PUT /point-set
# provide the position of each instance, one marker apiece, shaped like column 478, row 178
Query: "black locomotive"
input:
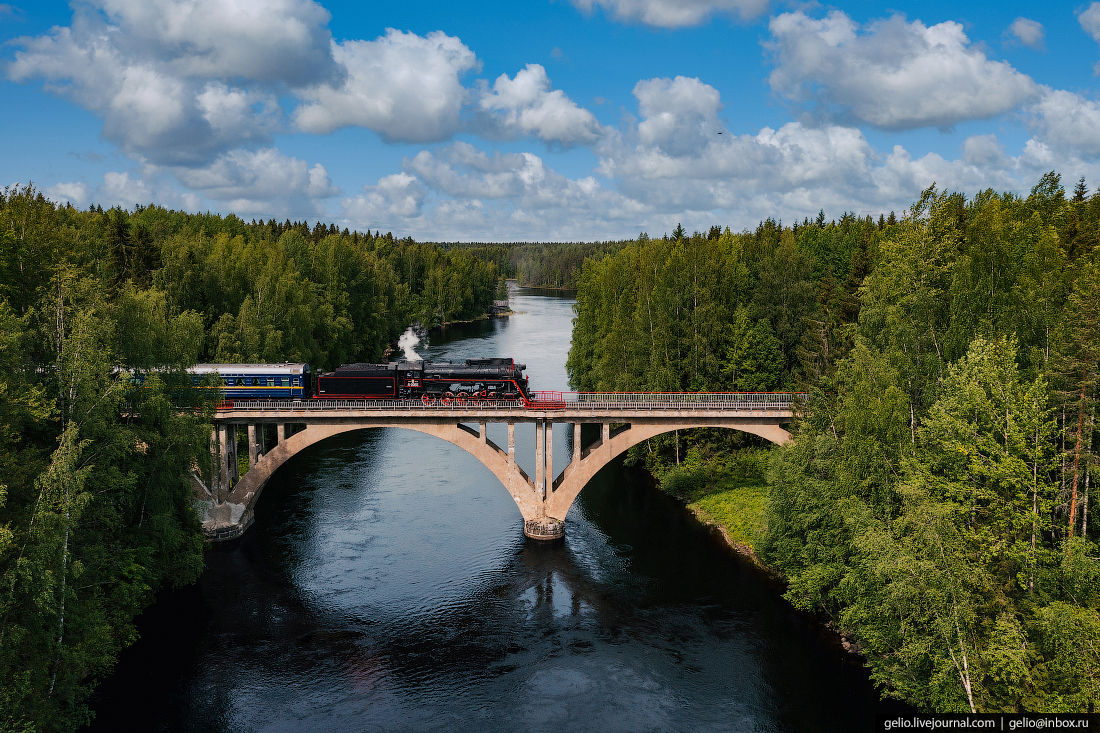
column 428, row 381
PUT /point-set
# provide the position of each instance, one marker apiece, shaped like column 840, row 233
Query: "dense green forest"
column 538, row 264
column 934, row 503
column 95, row 513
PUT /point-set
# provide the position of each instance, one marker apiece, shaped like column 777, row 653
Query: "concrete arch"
column 500, row 462
column 580, row 471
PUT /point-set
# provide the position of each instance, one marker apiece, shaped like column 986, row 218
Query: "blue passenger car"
column 258, row 381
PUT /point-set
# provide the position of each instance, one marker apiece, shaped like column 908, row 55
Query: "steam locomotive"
column 443, row 382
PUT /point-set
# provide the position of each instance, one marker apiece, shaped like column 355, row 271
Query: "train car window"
column 229, row 381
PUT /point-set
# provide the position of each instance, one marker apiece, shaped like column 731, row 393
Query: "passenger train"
column 430, row 382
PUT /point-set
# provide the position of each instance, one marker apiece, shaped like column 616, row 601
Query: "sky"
column 548, row 120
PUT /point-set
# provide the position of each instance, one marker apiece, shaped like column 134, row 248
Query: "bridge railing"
column 668, row 400
column 767, row 401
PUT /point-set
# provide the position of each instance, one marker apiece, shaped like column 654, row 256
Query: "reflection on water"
column 386, row 585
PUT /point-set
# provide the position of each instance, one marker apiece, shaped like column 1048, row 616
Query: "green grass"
column 737, row 505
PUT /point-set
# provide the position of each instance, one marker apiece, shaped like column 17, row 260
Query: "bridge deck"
column 563, row 406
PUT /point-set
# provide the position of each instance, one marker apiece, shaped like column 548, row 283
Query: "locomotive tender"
column 430, row 382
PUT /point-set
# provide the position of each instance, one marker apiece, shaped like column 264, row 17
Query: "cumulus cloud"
column 403, row 86
column 177, row 82
column 462, row 191
column 260, row 181
column 679, row 115
column 1067, row 122
column 674, row 13
column 526, row 105
column 893, row 74
column 283, row 41
column 76, row 193
column 116, row 189
column 984, row 151
column 1027, row 32
column 394, row 198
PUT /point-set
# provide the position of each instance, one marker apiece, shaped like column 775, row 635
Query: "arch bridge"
column 625, row 420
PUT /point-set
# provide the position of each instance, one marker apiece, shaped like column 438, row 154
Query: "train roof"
column 250, row 369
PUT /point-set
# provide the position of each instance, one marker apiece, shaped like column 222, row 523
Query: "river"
column 386, row 586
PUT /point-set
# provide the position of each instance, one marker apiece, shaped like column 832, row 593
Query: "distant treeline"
column 935, row 502
column 95, row 512
column 538, row 264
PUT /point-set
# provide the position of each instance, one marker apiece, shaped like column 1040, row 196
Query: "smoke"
column 408, row 342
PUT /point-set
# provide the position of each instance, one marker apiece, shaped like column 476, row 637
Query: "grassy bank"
column 728, row 493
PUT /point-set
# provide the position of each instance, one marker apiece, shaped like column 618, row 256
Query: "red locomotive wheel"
column 460, row 400
column 448, row 399
column 426, row 400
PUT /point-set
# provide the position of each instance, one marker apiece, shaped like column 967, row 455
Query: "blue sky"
column 562, row 120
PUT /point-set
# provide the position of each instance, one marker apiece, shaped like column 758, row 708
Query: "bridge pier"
column 542, row 502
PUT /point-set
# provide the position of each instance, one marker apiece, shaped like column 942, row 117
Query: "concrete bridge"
column 543, row 500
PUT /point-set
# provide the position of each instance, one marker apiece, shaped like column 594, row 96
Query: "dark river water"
column 386, row 585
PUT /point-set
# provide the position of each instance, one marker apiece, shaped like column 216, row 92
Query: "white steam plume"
column 407, row 343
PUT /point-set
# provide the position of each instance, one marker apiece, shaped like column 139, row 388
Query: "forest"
column 95, row 512
column 933, row 504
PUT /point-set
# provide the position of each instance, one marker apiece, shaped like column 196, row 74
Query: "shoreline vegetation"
column 933, row 504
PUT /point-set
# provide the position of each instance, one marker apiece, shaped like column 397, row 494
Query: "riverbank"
column 729, row 496
column 736, row 509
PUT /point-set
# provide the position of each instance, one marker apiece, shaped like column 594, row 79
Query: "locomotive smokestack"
column 407, row 343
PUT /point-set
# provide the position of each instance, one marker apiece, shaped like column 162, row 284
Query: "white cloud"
column 146, row 68
column 1090, row 20
column 680, row 115
column 260, row 181
column 76, row 193
column 395, row 198
column 1028, row 32
column 892, row 73
column 526, row 105
column 1067, row 122
column 119, row 189
column 984, row 151
column 461, row 191
column 403, row 86
column 675, row 13
column 284, row 41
